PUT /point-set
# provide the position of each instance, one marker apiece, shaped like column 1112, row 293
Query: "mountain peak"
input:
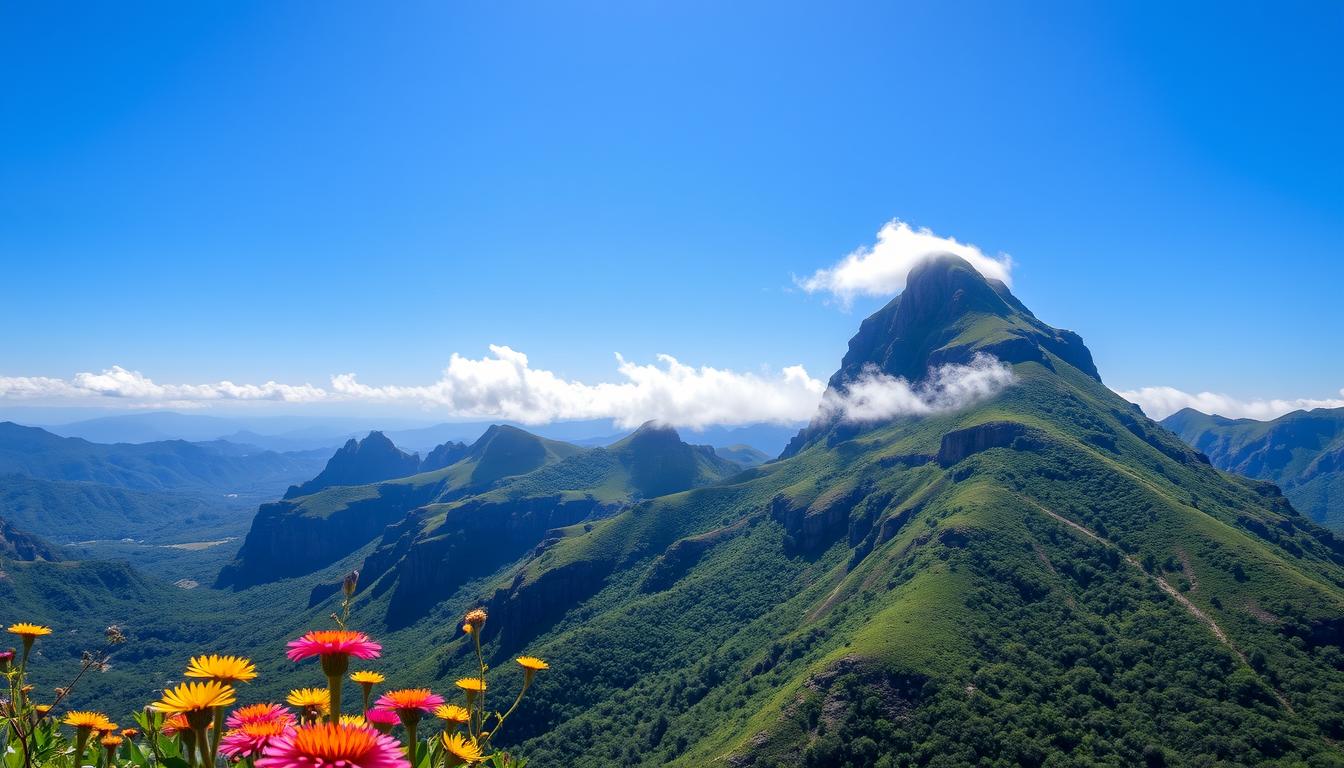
column 358, row 462
column 948, row 313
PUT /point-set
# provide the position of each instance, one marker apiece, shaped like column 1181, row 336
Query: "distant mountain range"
column 288, row 434
column 1301, row 452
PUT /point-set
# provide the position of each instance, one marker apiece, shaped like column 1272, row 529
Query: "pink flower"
column 333, row 642
column 325, row 745
column 250, row 739
column 409, row 699
column 259, row 713
column 381, row 717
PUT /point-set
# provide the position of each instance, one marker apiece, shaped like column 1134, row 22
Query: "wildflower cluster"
column 198, row 723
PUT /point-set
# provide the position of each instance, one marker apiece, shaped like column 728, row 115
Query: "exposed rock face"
column 17, row 545
column 370, row 460
column 960, row 443
column 525, row 609
column 815, row 526
column 473, row 540
column 284, row 542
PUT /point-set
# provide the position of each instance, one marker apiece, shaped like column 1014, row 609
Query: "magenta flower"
column 326, row 745
column 409, row 699
column 333, row 642
column 251, row 739
column 381, row 717
column 258, row 713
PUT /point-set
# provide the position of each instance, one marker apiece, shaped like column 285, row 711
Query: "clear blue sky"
column 255, row 191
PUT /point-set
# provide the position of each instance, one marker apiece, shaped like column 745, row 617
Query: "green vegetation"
column 1301, row 452
column 1045, row 578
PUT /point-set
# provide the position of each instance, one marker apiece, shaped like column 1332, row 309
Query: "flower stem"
column 410, row 741
column 334, row 689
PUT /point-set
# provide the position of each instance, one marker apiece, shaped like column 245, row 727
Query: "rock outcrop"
column 370, row 460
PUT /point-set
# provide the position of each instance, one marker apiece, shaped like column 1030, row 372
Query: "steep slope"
column 360, row 462
column 73, row 511
column 296, row 536
column 1302, row 452
column 439, row 547
column 744, row 455
column 17, row 545
column 1044, row 578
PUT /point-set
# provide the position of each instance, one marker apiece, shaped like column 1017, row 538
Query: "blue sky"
column 262, row 192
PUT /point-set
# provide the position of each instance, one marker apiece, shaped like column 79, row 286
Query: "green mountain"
column 437, row 548
column 69, row 511
column 1042, row 578
column 171, row 465
column 296, row 536
column 1302, row 452
column 360, row 462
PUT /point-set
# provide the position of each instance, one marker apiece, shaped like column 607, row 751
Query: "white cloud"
column 1161, row 402
column 881, row 269
column 876, row 396
column 504, row 385
column 501, row 385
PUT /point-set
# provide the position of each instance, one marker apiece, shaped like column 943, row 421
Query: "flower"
column 326, row 745
column 195, row 697
column 332, row 642
column 110, row 742
column 175, row 723
column 6, row 658
column 409, row 698
column 531, row 666
column 87, row 721
column 382, row 719
column 532, row 663
column 381, row 716
column 130, row 733
column 225, row 669
column 251, row 738
column 472, row 685
column 42, row 709
column 28, row 631
column 453, row 713
column 354, row 720
column 475, row 618
column 461, row 750
column 259, row 713
column 315, row 699
column 364, row 677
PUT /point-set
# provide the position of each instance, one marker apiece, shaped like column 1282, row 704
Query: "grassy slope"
column 764, row 653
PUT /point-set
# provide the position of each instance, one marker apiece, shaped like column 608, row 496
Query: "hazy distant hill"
column 1302, row 452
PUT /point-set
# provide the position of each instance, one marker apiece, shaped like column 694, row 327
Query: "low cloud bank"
column 876, row 396
column 881, row 269
column 1161, row 402
column 501, row 385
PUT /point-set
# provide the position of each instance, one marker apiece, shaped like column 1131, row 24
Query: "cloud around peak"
column 881, row 269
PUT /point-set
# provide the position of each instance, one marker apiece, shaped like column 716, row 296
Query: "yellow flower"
column 111, row 741
column 461, row 750
column 93, row 721
column 310, row 698
column 225, row 669
column 28, row 631
column 366, row 677
column 194, row 697
column 472, row 685
column 452, row 713
column 475, row 618
column 532, row 663
column 42, row 709
column 354, row 720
